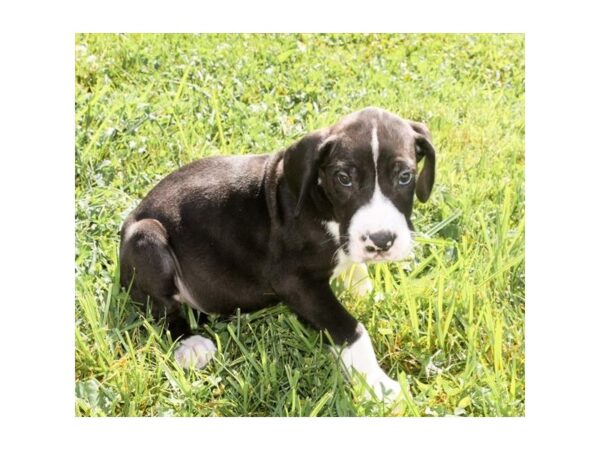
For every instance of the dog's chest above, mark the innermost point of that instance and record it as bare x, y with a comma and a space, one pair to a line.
340, 259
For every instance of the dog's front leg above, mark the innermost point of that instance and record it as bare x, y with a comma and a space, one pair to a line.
359, 356
314, 302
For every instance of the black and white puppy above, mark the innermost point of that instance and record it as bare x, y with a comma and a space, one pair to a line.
250, 231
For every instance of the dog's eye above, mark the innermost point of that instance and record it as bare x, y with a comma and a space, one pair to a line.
344, 179
405, 178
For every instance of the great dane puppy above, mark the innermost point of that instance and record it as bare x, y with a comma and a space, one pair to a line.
250, 231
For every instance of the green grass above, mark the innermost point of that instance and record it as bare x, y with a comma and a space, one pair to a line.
450, 326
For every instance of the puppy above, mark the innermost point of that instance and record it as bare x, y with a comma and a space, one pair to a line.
250, 231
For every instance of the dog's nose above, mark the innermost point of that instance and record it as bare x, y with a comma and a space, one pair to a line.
383, 240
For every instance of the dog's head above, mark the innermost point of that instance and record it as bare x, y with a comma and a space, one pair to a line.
362, 172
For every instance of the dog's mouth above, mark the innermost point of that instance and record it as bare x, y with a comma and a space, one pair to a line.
380, 258
384, 258
360, 253
378, 255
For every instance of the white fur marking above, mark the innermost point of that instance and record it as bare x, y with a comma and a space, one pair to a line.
360, 357
354, 276
195, 352
333, 228
377, 215
375, 149
343, 263
380, 214
358, 280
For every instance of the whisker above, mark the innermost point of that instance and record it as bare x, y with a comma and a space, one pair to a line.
335, 238
336, 253
331, 239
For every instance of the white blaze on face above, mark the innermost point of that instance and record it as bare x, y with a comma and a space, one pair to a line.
378, 215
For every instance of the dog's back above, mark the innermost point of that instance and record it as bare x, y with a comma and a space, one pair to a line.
201, 205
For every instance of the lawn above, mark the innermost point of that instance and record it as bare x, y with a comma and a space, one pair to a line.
448, 324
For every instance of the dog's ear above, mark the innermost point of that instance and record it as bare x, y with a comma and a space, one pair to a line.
301, 163
425, 150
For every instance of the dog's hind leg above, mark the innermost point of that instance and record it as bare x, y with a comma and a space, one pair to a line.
149, 269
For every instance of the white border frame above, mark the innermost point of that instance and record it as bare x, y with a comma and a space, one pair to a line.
37, 202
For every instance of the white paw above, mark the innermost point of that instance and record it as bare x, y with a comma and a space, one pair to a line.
362, 287
356, 279
195, 352
384, 388
359, 357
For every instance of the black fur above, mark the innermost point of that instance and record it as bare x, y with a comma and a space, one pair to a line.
248, 231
